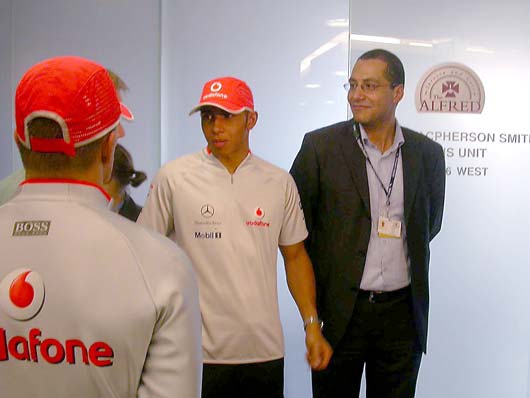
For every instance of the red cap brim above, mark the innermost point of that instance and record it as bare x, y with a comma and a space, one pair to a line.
126, 112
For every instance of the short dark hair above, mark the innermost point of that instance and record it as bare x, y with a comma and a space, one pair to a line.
395, 73
54, 163
118, 82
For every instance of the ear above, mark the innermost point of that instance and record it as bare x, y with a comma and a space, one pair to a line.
107, 155
252, 119
399, 91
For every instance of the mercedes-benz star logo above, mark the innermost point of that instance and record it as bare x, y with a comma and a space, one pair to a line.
207, 211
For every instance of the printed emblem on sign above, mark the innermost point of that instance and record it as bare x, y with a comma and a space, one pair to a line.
22, 294
450, 88
207, 211
31, 228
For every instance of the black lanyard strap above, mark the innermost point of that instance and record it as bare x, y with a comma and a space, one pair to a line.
388, 191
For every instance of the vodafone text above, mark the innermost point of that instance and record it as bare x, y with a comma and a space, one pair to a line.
224, 96
99, 354
258, 224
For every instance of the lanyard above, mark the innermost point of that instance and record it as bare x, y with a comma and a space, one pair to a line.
388, 191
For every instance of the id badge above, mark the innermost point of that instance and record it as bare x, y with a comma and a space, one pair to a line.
387, 228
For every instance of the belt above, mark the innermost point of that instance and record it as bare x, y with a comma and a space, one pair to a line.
376, 296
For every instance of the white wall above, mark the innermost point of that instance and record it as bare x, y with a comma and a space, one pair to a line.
119, 34
6, 97
479, 334
262, 43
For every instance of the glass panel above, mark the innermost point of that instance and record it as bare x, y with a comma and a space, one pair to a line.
265, 44
479, 327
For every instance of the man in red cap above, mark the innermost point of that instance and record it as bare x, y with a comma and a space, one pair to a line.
230, 210
91, 305
9, 186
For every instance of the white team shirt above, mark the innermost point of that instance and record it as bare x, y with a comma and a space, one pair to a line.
230, 226
108, 309
9, 185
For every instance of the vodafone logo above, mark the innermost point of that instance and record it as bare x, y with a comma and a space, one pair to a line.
215, 87
259, 213
22, 294
21, 298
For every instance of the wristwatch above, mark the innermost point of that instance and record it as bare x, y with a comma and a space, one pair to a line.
313, 319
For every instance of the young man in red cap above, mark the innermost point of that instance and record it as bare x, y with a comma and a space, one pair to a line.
230, 210
91, 305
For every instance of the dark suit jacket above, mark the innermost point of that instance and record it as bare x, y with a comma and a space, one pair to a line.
330, 172
130, 209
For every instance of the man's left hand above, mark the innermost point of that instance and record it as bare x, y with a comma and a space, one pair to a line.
319, 351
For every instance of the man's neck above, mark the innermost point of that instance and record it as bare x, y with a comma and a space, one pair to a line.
92, 174
117, 193
117, 201
231, 163
382, 136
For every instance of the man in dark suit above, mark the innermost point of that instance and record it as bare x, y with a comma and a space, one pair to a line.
373, 194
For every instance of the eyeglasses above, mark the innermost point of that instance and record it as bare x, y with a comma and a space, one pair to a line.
366, 87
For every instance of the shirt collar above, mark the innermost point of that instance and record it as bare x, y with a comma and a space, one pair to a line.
210, 157
66, 190
399, 139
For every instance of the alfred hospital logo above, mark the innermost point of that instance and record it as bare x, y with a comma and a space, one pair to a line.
450, 88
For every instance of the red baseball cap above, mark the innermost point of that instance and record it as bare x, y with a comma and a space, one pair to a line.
75, 92
228, 93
